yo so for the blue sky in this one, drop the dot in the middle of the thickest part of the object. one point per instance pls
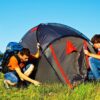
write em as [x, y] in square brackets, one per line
[18, 16]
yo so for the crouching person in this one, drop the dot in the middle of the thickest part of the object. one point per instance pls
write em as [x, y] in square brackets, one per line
[94, 59]
[17, 69]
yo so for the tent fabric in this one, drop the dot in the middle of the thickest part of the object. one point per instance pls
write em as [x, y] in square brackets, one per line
[47, 33]
[70, 47]
[62, 72]
[50, 32]
[29, 40]
[62, 57]
[59, 48]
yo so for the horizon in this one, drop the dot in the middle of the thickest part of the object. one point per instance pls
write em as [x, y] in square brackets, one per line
[19, 16]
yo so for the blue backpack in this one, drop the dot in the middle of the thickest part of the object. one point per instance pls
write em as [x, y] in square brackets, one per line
[11, 49]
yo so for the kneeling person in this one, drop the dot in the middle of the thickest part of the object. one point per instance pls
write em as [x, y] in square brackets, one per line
[17, 69]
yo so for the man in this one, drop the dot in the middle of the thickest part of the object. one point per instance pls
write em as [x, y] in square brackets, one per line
[94, 59]
[18, 70]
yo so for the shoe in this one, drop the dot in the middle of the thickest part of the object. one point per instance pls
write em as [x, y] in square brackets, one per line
[6, 85]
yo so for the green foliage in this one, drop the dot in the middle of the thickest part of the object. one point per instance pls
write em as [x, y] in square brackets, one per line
[88, 91]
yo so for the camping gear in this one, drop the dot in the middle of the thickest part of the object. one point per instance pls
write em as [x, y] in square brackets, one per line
[12, 48]
[62, 57]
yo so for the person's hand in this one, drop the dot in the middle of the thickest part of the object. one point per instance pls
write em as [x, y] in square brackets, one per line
[36, 83]
[86, 52]
[21, 79]
[38, 45]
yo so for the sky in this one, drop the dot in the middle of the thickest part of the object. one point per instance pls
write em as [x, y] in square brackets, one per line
[19, 16]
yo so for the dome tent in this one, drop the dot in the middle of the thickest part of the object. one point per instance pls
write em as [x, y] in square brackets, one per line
[62, 57]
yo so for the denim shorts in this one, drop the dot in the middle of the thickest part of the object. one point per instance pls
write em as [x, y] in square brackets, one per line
[13, 76]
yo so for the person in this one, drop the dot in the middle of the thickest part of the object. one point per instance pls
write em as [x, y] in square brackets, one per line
[17, 69]
[94, 59]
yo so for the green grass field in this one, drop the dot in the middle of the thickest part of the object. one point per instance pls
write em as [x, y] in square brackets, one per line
[88, 91]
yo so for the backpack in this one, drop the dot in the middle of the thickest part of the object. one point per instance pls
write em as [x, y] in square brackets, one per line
[11, 49]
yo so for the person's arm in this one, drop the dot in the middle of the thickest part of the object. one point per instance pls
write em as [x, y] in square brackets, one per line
[37, 55]
[91, 54]
[21, 75]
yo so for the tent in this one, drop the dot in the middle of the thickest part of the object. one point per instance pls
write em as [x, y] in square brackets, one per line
[62, 57]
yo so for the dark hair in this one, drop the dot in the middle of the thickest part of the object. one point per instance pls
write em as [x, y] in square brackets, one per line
[25, 51]
[96, 39]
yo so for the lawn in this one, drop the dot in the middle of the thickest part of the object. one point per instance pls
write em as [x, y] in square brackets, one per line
[85, 91]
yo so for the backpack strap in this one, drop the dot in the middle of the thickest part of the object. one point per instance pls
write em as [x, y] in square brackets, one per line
[18, 59]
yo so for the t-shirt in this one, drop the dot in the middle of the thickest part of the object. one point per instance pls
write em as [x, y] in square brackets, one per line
[13, 63]
[98, 51]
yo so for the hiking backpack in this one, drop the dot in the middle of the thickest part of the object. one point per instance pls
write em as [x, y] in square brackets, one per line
[11, 49]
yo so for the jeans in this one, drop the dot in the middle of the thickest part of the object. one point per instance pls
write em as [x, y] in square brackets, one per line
[13, 76]
[95, 67]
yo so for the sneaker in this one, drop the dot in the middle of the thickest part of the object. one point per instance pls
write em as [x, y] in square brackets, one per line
[6, 85]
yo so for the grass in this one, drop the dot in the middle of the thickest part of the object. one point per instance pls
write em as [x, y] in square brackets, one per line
[88, 91]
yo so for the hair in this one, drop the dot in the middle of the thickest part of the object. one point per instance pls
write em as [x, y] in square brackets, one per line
[96, 39]
[25, 51]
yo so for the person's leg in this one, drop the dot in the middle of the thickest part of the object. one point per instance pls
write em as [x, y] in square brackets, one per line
[90, 75]
[10, 83]
[28, 69]
[10, 79]
[95, 66]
